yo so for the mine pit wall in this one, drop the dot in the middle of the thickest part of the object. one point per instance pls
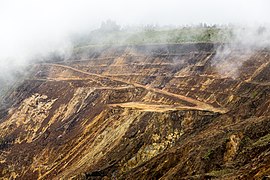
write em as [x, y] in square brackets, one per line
[57, 128]
[147, 137]
[66, 128]
[140, 137]
[98, 51]
[187, 69]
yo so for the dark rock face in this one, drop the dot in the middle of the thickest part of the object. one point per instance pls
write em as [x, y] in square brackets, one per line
[140, 112]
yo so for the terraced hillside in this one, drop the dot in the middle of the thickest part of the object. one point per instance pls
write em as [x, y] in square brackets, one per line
[140, 112]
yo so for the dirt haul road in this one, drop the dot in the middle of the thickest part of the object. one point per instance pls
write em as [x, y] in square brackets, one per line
[199, 105]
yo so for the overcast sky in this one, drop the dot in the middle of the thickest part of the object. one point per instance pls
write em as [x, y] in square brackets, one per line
[91, 12]
[30, 27]
[26, 23]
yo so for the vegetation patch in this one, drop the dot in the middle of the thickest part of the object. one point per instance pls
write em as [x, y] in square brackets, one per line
[263, 141]
[219, 172]
[112, 34]
[208, 155]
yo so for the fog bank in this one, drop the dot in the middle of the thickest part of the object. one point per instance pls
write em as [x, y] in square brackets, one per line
[31, 29]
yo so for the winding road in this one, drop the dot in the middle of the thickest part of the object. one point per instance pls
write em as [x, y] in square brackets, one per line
[199, 105]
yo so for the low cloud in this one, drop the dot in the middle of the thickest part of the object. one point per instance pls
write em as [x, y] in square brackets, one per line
[31, 29]
[246, 40]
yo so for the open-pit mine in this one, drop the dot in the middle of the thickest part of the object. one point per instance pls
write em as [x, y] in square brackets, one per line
[160, 111]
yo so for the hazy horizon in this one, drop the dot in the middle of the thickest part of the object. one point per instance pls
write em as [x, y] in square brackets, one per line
[30, 27]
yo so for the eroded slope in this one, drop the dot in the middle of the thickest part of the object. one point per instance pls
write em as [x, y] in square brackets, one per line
[139, 112]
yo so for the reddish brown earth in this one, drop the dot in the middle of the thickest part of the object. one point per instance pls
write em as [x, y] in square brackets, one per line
[139, 112]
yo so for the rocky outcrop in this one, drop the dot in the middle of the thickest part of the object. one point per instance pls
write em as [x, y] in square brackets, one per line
[139, 112]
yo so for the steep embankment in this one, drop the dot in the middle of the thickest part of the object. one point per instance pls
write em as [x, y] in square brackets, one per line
[139, 112]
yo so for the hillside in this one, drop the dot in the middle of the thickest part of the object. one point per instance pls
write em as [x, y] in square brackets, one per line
[160, 111]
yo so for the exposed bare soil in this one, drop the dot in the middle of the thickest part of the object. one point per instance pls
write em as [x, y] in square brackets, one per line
[139, 112]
